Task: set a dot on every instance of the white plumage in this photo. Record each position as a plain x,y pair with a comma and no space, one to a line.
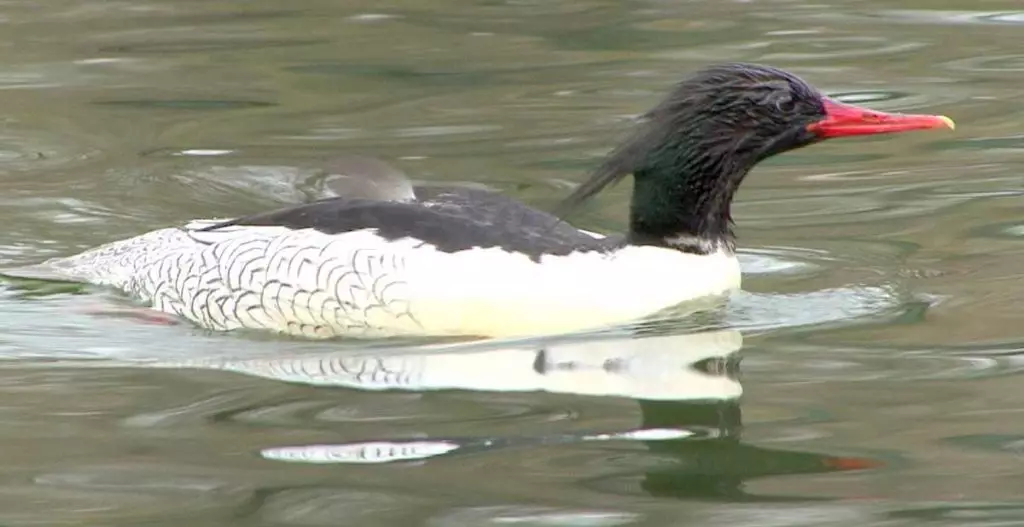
307,283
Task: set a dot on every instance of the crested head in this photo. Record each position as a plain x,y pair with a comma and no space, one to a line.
740,111
689,154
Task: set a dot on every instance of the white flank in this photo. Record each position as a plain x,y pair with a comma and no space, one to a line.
497,293
304,282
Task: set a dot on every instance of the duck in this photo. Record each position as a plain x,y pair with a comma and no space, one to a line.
406,261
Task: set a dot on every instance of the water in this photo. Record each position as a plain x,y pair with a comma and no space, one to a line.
868,375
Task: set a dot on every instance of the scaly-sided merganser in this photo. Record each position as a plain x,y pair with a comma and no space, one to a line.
423,262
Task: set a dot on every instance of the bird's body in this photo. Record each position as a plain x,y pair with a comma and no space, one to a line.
394,260
498,274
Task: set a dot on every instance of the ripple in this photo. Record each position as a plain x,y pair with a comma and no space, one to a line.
781,260
800,210
186,104
207,45
372,17
39,505
432,131
1014,143
921,96
512,17
391,408
1011,230
1000,63
263,185
66,326
867,365
533,516
895,194
794,515
206,408
929,16
135,478
57,211
498,119
632,38
1012,444
186,152
325,505
203,152
867,96
963,514
799,47
830,48
45,76
798,362
754,311
126,491
419,76
24,149
898,16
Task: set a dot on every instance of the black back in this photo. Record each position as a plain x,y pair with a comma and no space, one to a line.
451,219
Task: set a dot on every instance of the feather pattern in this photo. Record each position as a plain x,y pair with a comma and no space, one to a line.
299,282
355,268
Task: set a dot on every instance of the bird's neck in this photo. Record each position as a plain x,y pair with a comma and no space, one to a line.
684,204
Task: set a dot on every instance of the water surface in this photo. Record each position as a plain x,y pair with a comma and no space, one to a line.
867,375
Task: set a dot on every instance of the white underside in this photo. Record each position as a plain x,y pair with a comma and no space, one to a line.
304,282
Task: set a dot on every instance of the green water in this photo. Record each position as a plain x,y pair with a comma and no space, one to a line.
877,344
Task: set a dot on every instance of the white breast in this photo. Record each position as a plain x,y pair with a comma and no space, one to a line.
496,293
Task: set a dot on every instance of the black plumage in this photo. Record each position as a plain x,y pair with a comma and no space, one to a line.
449,218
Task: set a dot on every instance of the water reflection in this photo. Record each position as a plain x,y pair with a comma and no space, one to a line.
715,467
672,367
685,386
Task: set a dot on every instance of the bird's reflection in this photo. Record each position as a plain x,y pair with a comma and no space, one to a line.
686,387
718,466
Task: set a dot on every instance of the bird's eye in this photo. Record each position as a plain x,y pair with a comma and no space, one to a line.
785,104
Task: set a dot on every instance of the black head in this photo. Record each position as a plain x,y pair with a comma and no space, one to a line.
690,152
740,112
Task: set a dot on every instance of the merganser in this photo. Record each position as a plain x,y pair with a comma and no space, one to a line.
407,261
